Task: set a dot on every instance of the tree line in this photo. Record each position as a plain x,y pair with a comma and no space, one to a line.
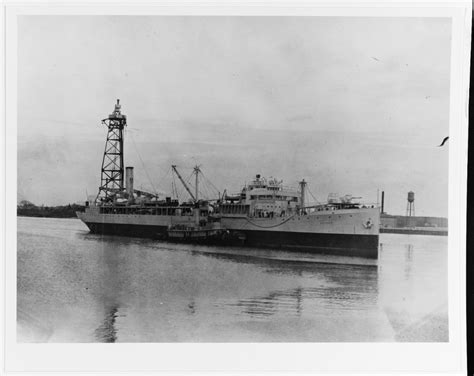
28,209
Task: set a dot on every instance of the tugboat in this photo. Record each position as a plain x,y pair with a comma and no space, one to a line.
205,227
201,233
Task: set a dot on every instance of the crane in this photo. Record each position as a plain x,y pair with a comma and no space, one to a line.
184,183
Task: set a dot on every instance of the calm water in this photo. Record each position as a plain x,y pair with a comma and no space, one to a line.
74,286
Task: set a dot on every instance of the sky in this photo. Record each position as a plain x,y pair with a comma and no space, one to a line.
351,104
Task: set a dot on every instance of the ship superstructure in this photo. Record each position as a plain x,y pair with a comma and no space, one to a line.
265,213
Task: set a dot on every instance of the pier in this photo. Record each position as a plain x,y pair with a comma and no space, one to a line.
416,225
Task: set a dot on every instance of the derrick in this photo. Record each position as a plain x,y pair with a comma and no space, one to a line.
112,171
175,170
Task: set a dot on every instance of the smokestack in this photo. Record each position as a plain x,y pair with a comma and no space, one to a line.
383,201
303,194
129,181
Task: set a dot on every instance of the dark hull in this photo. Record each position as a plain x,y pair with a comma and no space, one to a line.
408,231
339,244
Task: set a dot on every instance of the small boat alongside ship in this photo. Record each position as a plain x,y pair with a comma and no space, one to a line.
195,233
265,213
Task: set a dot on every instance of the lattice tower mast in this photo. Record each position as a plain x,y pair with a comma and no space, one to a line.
112,172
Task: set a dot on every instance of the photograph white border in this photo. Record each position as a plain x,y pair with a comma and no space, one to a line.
446,358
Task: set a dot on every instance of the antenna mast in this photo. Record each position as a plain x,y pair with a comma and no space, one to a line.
111,180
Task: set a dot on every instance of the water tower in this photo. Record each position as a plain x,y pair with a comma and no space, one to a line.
411,204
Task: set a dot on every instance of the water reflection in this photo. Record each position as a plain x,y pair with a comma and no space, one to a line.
109,292
339,285
288,302
192,307
280,262
118,289
107,332
293,301
299,300
408,261
323,283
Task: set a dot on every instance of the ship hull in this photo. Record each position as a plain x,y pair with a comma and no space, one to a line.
311,234
138,230
339,244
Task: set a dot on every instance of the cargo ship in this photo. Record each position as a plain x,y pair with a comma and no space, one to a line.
264,213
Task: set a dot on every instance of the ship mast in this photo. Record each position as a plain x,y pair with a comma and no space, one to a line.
196,172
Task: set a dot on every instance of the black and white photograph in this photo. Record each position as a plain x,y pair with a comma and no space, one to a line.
247,178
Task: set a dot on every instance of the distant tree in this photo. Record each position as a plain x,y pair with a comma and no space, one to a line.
26,204
26,208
